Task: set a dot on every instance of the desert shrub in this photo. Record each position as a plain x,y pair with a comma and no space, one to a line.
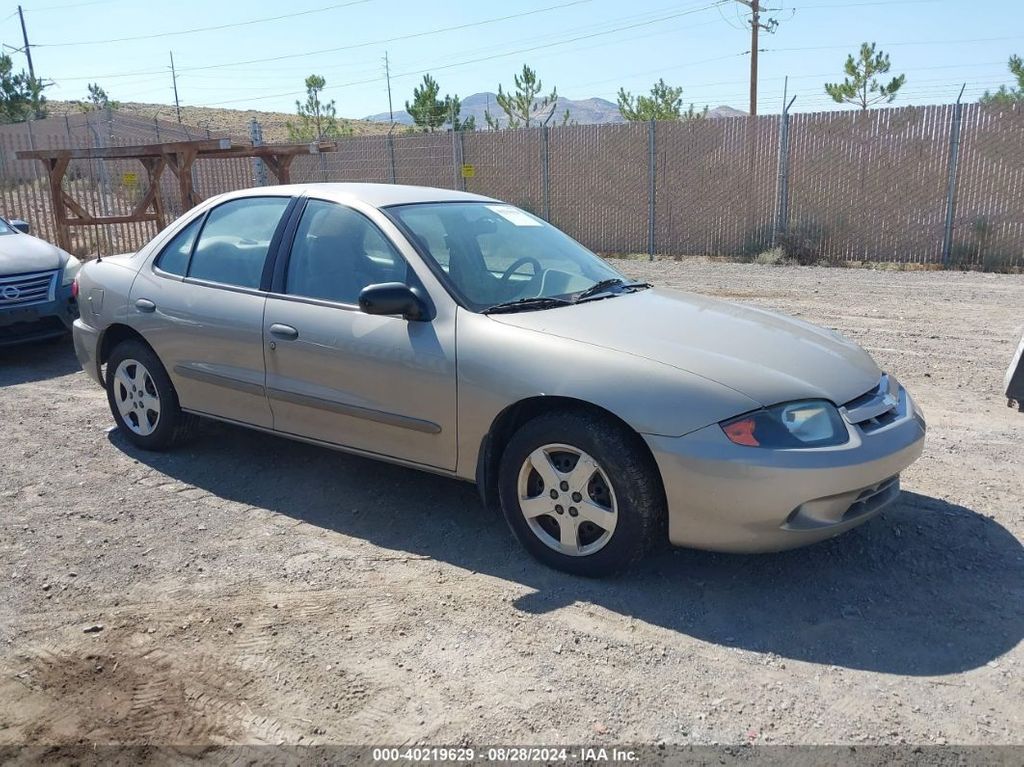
801,242
772,257
999,261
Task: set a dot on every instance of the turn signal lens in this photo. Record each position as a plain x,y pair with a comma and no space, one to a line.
74,288
742,432
791,425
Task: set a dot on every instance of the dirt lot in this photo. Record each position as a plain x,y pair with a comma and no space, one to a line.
252,589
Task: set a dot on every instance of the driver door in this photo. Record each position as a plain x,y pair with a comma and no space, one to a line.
379,384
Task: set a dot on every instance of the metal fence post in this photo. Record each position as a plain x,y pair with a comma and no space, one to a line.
391,152
462,157
651,186
259,168
782,189
545,169
455,160
954,165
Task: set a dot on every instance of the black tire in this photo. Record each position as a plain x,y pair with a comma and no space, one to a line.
628,467
173,426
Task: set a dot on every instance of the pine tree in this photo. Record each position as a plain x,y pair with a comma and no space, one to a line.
454,107
664,103
97,99
21,96
428,112
1013,94
521,105
317,119
861,86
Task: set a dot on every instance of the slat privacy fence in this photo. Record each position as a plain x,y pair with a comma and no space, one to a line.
938,185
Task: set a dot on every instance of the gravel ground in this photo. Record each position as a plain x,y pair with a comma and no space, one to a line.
250,589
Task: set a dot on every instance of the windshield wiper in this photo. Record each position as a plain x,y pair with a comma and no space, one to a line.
526,304
605,286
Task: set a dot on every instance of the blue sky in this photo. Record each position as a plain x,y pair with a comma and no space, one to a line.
584,47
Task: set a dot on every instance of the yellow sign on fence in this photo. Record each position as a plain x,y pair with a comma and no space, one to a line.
130,179
468,171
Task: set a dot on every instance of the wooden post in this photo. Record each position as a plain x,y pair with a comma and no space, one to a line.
285,164
184,160
57,167
154,168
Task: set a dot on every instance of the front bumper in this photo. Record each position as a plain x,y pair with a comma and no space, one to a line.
38,321
726,497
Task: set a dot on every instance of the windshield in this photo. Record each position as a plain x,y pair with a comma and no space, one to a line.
492,253
6,228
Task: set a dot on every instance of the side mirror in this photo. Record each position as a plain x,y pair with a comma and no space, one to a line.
21,226
393,298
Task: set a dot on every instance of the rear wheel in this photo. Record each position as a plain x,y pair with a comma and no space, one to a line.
142,398
580,493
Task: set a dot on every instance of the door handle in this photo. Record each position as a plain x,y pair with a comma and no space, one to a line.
287,332
145,305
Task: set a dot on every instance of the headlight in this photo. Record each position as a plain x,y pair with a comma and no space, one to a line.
808,423
71,270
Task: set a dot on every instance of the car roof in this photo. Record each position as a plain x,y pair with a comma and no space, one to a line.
376,195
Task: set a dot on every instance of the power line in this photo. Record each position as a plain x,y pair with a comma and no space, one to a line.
492,57
215,28
353,46
916,42
68,6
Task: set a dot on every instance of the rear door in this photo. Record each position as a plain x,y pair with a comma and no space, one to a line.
381,384
201,305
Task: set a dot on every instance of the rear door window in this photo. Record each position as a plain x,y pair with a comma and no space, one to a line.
174,257
235,240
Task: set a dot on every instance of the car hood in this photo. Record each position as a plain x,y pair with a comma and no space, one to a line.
20,253
768,357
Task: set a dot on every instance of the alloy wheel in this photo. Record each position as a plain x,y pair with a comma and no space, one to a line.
136,397
567,500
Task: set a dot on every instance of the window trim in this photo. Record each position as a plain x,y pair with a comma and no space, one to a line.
279,284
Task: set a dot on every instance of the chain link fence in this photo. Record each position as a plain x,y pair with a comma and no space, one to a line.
940,185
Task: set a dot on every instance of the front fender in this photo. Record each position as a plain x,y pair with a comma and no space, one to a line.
499,365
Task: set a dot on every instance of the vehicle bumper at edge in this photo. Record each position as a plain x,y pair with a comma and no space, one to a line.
39,321
726,497
87,342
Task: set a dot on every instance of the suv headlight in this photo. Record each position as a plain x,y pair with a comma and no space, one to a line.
803,424
70,270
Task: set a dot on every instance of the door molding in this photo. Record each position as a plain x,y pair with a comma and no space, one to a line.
344,408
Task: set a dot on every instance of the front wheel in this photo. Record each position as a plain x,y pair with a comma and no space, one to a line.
142,398
580,493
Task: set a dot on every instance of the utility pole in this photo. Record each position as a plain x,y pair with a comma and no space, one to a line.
35,86
28,48
756,26
387,76
174,79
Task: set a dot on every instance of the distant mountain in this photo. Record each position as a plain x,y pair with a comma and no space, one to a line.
592,111
724,111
